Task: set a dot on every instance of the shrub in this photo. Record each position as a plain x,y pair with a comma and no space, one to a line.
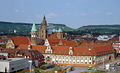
36,70
43,67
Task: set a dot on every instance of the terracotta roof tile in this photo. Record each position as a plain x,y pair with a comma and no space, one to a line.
55,42
20,40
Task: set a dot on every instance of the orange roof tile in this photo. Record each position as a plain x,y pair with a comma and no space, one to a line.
20,40
55,42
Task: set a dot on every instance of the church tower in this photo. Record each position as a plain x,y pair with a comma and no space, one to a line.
43,32
34,35
58,33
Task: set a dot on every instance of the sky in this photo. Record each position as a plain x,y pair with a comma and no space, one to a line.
73,13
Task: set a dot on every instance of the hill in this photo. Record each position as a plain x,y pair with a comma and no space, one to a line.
9,27
102,29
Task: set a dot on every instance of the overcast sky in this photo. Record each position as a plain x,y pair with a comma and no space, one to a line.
73,13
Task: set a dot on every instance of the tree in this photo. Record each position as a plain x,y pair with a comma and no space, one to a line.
36,70
43,67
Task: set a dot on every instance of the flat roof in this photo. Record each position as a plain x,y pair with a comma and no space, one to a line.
11,59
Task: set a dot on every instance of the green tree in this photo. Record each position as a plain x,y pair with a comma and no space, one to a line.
36,70
43,67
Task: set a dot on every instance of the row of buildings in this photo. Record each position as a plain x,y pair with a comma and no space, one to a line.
42,47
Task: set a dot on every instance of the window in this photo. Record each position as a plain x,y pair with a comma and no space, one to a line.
81,57
59,57
85,58
56,57
77,58
66,57
74,62
85,62
63,61
67,62
90,58
60,61
33,53
89,62
81,62
63,57
93,58
78,62
73,58
70,62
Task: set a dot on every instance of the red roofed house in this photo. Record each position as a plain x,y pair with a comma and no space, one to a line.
75,56
14,42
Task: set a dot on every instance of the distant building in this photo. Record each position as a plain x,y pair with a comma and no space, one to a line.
34,35
13,64
14,42
56,34
116,46
43,32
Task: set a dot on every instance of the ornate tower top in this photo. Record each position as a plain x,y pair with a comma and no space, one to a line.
44,22
34,28
59,30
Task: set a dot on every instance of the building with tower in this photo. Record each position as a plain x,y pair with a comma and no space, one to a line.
43,32
34,35
56,33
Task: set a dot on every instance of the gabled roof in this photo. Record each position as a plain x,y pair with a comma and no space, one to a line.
55,42
40,48
86,50
20,40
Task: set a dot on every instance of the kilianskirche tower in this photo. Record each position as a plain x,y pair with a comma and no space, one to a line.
34,35
43,32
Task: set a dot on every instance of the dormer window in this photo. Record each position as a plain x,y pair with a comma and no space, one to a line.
19,54
70,51
89,49
28,57
25,56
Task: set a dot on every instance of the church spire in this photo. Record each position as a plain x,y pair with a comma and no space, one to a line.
34,28
44,22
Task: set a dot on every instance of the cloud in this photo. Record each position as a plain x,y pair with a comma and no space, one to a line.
109,13
51,15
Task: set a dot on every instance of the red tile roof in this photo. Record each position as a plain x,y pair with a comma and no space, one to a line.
20,40
2,40
53,36
55,42
40,48
33,54
96,49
